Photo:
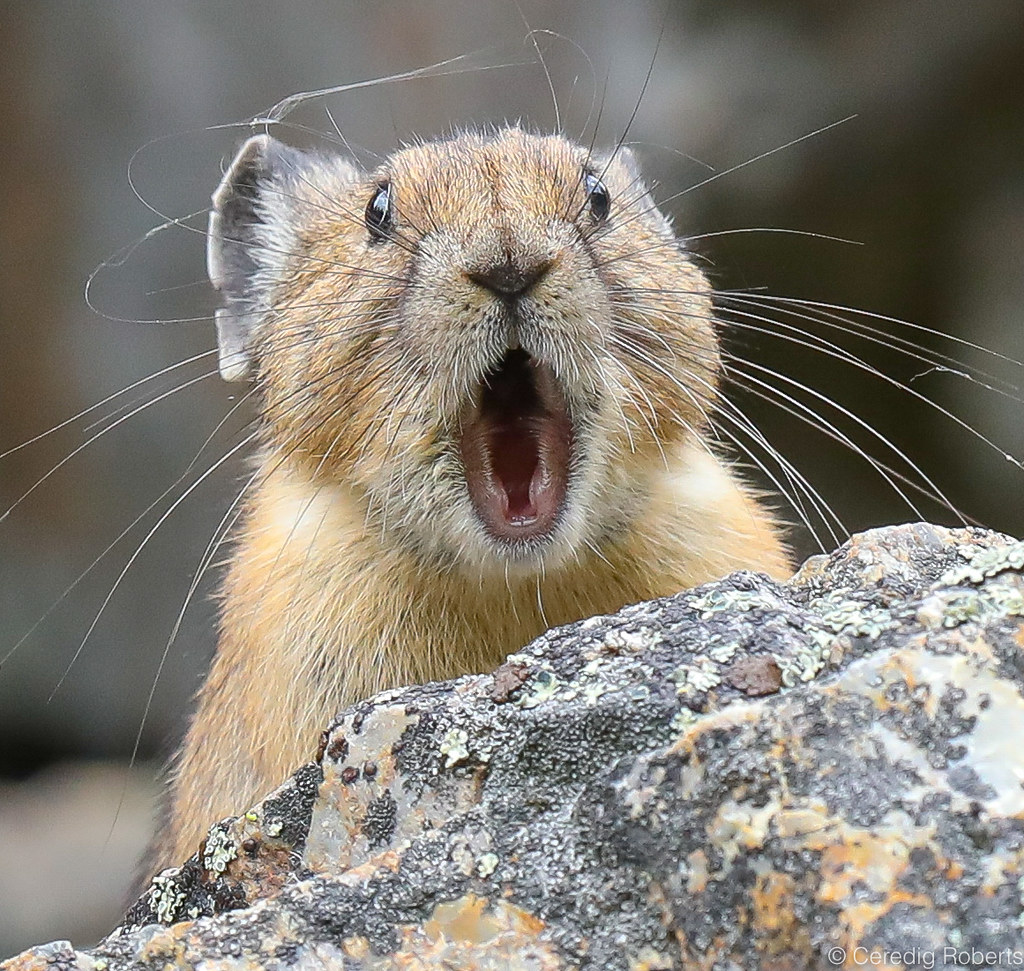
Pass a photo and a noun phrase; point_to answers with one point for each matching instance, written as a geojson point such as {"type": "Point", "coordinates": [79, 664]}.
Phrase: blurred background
{"type": "Point", "coordinates": [927, 179]}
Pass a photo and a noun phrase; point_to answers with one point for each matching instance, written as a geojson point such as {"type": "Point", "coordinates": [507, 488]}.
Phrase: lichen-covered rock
{"type": "Point", "coordinates": [747, 775]}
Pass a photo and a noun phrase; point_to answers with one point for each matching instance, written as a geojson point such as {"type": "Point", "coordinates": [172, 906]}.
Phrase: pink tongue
{"type": "Point", "coordinates": [515, 456]}
{"type": "Point", "coordinates": [516, 447]}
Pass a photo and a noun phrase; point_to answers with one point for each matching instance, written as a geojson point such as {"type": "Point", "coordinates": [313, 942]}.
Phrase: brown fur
{"type": "Point", "coordinates": [360, 563]}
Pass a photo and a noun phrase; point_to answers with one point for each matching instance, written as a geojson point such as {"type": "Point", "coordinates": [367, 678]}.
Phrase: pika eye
{"type": "Point", "coordinates": [597, 196]}
{"type": "Point", "coordinates": [378, 212]}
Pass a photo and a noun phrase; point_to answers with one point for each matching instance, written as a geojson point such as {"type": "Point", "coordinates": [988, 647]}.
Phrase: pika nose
{"type": "Point", "coordinates": [510, 277]}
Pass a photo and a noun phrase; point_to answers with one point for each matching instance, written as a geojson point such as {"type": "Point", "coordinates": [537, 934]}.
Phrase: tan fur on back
{"type": "Point", "coordinates": [360, 564]}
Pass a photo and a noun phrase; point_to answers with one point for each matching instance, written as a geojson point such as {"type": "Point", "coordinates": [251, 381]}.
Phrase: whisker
{"type": "Point", "coordinates": [859, 421]}
{"type": "Point", "coordinates": [789, 470]}
{"type": "Point", "coordinates": [131, 560]}
{"type": "Point", "coordinates": [944, 363]}
{"type": "Point", "coordinates": [980, 348]}
{"type": "Point", "coordinates": [731, 411]}
{"type": "Point", "coordinates": [661, 203]}
{"type": "Point", "coordinates": [103, 431]}
{"type": "Point", "coordinates": [220, 532]}
{"type": "Point", "coordinates": [109, 398]}
{"type": "Point", "coordinates": [813, 419]}
{"type": "Point", "coordinates": [813, 342]}
{"type": "Point", "coordinates": [124, 532]}
{"type": "Point", "coordinates": [799, 485]}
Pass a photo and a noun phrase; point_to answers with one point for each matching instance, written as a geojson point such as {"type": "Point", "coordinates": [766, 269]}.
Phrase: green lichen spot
{"type": "Point", "coordinates": [723, 652]}
{"type": "Point", "coordinates": [718, 600]}
{"type": "Point", "coordinates": [634, 641]}
{"type": "Point", "coordinates": [986, 563]}
{"type": "Point", "coordinates": [591, 692]}
{"type": "Point", "coordinates": [1008, 600]}
{"type": "Point", "coordinates": [844, 616]}
{"type": "Point", "coordinates": [453, 747]}
{"type": "Point", "coordinates": [165, 898]}
{"type": "Point", "coordinates": [487, 864]}
{"type": "Point", "coordinates": [274, 828]}
{"type": "Point", "coordinates": [683, 721]}
{"type": "Point", "coordinates": [692, 679]}
{"type": "Point", "coordinates": [808, 661]}
{"type": "Point", "coordinates": [1001, 597]}
{"type": "Point", "coordinates": [220, 850]}
{"type": "Point", "coordinates": [545, 686]}
{"type": "Point", "coordinates": [962, 609]}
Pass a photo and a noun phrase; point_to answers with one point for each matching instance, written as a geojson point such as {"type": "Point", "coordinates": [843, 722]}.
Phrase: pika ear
{"type": "Point", "coordinates": [248, 242]}
{"type": "Point", "coordinates": [638, 189]}
{"type": "Point", "coordinates": [627, 158]}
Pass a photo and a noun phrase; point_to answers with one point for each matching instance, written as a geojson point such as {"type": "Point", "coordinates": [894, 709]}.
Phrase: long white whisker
{"type": "Point", "coordinates": [107, 400]}
{"type": "Point", "coordinates": [819, 344]}
{"type": "Point", "coordinates": [124, 532]}
{"type": "Point", "coordinates": [103, 431]}
{"type": "Point", "coordinates": [863, 424]}
{"type": "Point", "coordinates": [131, 560]}
{"type": "Point", "coordinates": [935, 359]}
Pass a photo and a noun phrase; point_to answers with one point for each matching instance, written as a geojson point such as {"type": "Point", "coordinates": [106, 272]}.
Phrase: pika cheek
{"type": "Point", "coordinates": [444, 306]}
{"type": "Point", "coordinates": [426, 449]}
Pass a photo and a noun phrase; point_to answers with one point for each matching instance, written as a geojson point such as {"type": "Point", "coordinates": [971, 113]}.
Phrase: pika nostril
{"type": "Point", "coordinates": [509, 278]}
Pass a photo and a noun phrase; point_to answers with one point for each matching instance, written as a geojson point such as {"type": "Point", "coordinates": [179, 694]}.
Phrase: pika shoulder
{"type": "Point", "coordinates": [485, 376]}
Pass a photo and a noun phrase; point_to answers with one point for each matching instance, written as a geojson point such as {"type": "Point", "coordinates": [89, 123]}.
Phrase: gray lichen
{"type": "Point", "coordinates": [984, 562]}
{"type": "Point", "coordinates": [220, 850]}
{"type": "Point", "coordinates": [165, 897]}
{"type": "Point", "coordinates": [749, 769]}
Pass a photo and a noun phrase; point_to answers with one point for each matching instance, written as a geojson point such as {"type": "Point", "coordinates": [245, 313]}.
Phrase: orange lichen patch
{"type": "Point", "coordinates": [169, 945]}
{"type": "Point", "coordinates": [389, 860]}
{"type": "Point", "coordinates": [658, 897]}
{"type": "Point", "coordinates": [698, 872]}
{"type": "Point", "coordinates": [773, 921]}
{"type": "Point", "coordinates": [686, 743]}
{"type": "Point", "coordinates": [347, 806]}
{"type": "Point", "coordinates": [357, 948]}
{"type": "Point", "coordinates": [853, 859]}
{"type": "Point", "coordinates": [788, 750]}
{"type": "Point", "coordinates": [650, 959]}
{"type": "Point", "coordinates": [266, 873]}
{"type": "Point", "coordinates": [980, 648]}
{"type": "Point", "coordinates": [900, 666]}
{"type": "Point", "coordinates": [1001, 869]}
{"type": "Point", "coordinates": [797, 821]}
{"type": "Point", "coordinates": [953, 870]}
{"type": "Point", "coordinates": [780, 749]}
{"type": "Point", "coordinates": [30, 961]}
{"type": "Point", "coordinates": [463, 919]}
{"type": "Point", "coordinates": [861, 858]}
{"type": "Point", "coordinates": [469, 932]}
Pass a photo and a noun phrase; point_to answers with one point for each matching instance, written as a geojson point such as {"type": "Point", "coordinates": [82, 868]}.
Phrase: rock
{"type": "Point", "coordinates": [750, 774]}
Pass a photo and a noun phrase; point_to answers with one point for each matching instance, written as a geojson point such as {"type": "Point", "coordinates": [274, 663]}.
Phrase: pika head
{"type": "Point", "coordinates": [493, 342]}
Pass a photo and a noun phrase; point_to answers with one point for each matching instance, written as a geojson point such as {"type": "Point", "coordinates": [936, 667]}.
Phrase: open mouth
{"type": "Point", "coordinates": [516, 448]}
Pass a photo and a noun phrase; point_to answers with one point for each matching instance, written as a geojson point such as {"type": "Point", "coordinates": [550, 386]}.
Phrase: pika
{"type": "Point", "coordinates": [485, 374]}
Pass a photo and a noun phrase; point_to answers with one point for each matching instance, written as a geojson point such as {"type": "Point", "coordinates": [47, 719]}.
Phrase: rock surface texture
{"type": "Point", "coordinates": [747, 775]}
